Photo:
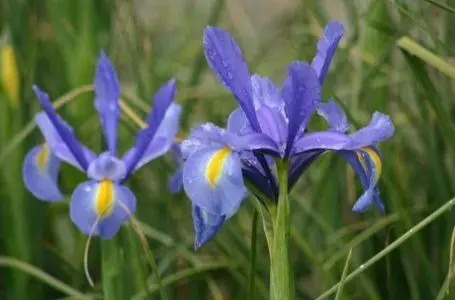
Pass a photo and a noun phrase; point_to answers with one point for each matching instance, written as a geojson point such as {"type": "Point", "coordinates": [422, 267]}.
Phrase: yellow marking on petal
{"type": "Point", "coordinates": [42, 157]}
{"type": "Point", "coordinates": [215, 165]}
{"type": "Point", "coordinates": [104, 198]}
{"type": "Point", "coordinates": [376, 161]}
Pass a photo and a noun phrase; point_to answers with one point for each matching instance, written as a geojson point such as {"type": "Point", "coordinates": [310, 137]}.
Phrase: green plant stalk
{"type": "Point", "coordinates": [444, 208]}
{"type": "Point", "coordinates": [112, 261]}
{"type": "Point", "coordinates": [251, 288]}
{"type": "Point", "coordinates": [281, 275]}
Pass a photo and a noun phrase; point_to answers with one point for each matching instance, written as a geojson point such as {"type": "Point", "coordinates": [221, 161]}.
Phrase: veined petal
{"type": "Point", "coordinates": [334, 115]}
{"type": "Point", "coordinates": [367, 163]}
{"type": "Point", "coordinates": [212, 179]}
{"type": "Point", "coordinates": [107, 91]}
{"type": "Point", "coordinates": [206, 225]}
{"type": "Point", "coordinates": [40, 172]}
{"type": "Point", "coordinates": [303, 95]}
{"type": "Point", "coordinates": [326, 48]}
{"type": "Point", "coordinates": [107, 166]}
{"type": "Point", "coordinates": [226, 60]}
{"type": "Point", "coordinates": [163, 139]}
{"type": "Point", "coordinates": [104, 200]}
{"type": "Point", "coordinates": [162, 101]}
{"type": "Point", "coordinates": [58, 130]}
{"type": "Point", "coordinates": [58, 146]}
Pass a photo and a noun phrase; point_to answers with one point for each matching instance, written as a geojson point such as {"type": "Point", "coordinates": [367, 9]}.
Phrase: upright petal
{"type": "Point", "coordinates": [162, 100]}
{"type": "Point", "coordinates": [103, 200]}
{"type": "Point", "coordinates": [326, 48]}
{"type": "Point", "coordinates": [107, 92]}
{"type": "Point", "coordinates": [58, 146]}
{"type": "Point", "coordinates": [334, 115]}
{"type": "Point", "coordinates": [304, 93]}
{"type": "Point", "coordinates": [206, 225]}
{"type": "Point", "coordinates": [58, 130]}
{"type": "Point", "coordinates": [266, 93]}
{"type": "Point", "coordinates": [212, 179]}
{"type": "Point", "coordinates": [367, 164]}
{"type": "Point", "coordinates": [163, 139]}
{"type": "Point", "coordinates": [238, 123]}
{"type": "Point", "coordinates": [40, 172]}
{"type": "Point", "coordinates": [226, 60]}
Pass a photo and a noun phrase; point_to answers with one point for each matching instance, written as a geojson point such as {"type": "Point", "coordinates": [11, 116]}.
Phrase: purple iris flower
{"type": "Point", "coordinates": [102, 204]}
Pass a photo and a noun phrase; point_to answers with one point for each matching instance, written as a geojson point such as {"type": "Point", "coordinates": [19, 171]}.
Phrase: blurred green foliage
{"type": "Point", "coordinates": [56, 44]}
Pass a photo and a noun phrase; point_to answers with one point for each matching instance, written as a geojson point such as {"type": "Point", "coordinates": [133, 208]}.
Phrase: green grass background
{"type": "Point", "coordinates": [411, 79]}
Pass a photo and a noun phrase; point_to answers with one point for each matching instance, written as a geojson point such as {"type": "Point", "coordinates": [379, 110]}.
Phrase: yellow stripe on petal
{"type": "Point", "coordinates": [215, 165]}
{"type": "Point", "coordinates": [42, 157]}
{"type": "Point", "coordinates": [376, 161]}
{"type": "Point", "coordinates": [104, 198]}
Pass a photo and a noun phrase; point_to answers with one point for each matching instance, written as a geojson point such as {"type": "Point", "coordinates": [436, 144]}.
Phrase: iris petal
{"type": "Point", "coordinates": [163, 139]}
{"type": "Point", "coordinates": [212, 179]}
{"type": "Point", "coordinates": [326, 48]}
{"type": "Point", "coordinates": [176, 182]}
{"type": "Point", "coordinates": [107, 91]}
{"type": "Point", "coordinates": [40, 172]}
{"type": "Point", "coordinates": [334, 115]}
{"type": "Point", "coordinates": [59, 135]}
{"type": "Point", "coordinates": [106, 200]}
{"type": "Point", "coordinates": [206, 225]}
{"type": "Point", "coordinates": [162, 102]}
{"type": "Point", "coordinates": [106, 166]}
{"type": "Point", "coordinates": [226, 60]}
{"type": "Point", "coordinates": [368, 166]}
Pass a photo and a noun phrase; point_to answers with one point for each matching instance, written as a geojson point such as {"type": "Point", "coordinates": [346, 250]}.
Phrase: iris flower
{"type": "Point", "coordinates": [102, 204]}
{"type": "Point", "coordinates": [213, 163]}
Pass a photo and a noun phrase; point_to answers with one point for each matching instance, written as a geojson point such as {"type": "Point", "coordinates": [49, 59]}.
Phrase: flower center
{"type": "Point", "coordinates": [104, 198]}
{"type": "Point", "coordinates": [215, 165]}
{"type": "Point", "coordinates": [41, 158]}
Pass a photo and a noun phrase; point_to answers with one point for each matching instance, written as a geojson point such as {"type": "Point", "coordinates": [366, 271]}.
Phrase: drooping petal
{"type": "Point", "coordinates": [162, 101]}
{"type": "Point", "coordinates": [326, 48]}
{"type": "Point", "coordinates": [163, 139]}
{"type": "Point", "coordinates": [212, 179]}
{"type": "Point", "coordinates": [107, 92]}
{"type": "Point", "coordinates": [334, 115]}
{"type": "Point", "coordinates": [40, 172]}
{"type": "Point", "coordinates": [58, 130]}
{"type": "Point", "coordinates": [380, 128]}
{"type": "Point", "coordinates": [105, 200]}
{"type": "Point", "coordinates": [302, 96]}
{"type": "Point", "coordinates": [226, 60]}
{"type": "Point", "coordinates": [299, 163]}
{"type": "Point", "coordinates": [367, 164]}
{"type": "Point", "coordinates": [106, 166]}
{"type": "Point", "coordinates": [206, 225]}
{"type": "Point", "coordinates": [58, 146]}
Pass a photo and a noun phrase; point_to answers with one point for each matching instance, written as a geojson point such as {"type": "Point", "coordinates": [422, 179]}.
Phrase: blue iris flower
{"type": "Point", "coordinates": [99, 206]}
{"type": "Point", "coordinates": [271, 123]}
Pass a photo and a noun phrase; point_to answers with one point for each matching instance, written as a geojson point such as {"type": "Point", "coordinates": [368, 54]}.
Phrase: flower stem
{"type": "Point", "coordinates": [253, 256]}
{"type": "Point", "coordinates": [111, 262]}
{"type": "Point", "coordinates": [281, 275]}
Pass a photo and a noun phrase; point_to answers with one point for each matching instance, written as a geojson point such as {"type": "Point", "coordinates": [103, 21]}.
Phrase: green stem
{"type": "Point", "coordinates": [112, 260]}
{"type": "Point", "coordinates": [253, 255]}
{"type": "Point", "coordinates": [391, 247]}
{"type": "Point", "coordinates": [281, 277]}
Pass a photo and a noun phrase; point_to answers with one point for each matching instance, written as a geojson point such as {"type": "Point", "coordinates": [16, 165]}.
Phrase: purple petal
{"type": "Point", "coordinates": [368, 165]}
{"type": "Point", "coordinates": [163, 139]}
{"type": "Point", "coordinates": [254, 141]}
{"type": "Point", "coordinates": [107, 92]}
{"type": "Point", "coordinates": [40, 172]}
{"type": "Point", "coordinates": [226, 60]}
{"type": "Point", "coordinates": [106, 166]}
{"type": "Point", "coordinates": [334, 115]}
{"type": "Point", "coordinates": [162, 100]}
{"type": "Point", "coordinates": [212, 179]}
{"type": "Point", "coordinates": [380, 128]}
{"type": "Point", "coordinates": [329, 140]}
{"type": "Point", "coordinates": [64, 132]}
{"type": "Point", "coordinates": [304, 94]}
{"type": "Point", "coordinates": [176, 182]}
{"type": "Point", "coordinates": [93, 199]}
{"type": "Point", "coordinates": [273, 123]}
{"type": "Point", "coordinates": [203, 136]}
{"type": "Point", "coordinates": [206, 225]}
{"type": "Point", "coordinates": [238, 123]}
{"type": "Point", "coordinates": [59, 146]}
{"type": "Point", "coordinates": [266, 93]}
{"type": "Point", "coordinates": [326, 48]}
{"type": "Point", "coordinates": [299, 163]}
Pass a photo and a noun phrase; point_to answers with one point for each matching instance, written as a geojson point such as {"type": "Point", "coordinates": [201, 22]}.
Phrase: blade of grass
{"type": "Point", "coordinates": [343, 276]}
